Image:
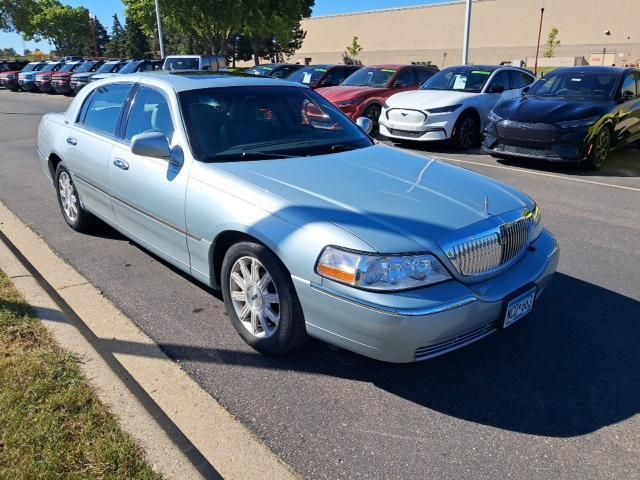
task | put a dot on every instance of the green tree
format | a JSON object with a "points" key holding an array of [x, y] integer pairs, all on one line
{"points": [[15, 15], [350, 56], [116, 46], [552, 43], [136, 43], [99, 40]]}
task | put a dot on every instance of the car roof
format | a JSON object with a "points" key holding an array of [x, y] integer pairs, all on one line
{"points": [[597, 69], [196, 80]]}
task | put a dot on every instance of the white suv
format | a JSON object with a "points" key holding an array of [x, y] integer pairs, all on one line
{"points": [[451, 105], [194, 62]]}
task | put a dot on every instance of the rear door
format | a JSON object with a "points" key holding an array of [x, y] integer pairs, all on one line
{"points": [[627, 129], [88, 144], [149, 193]]}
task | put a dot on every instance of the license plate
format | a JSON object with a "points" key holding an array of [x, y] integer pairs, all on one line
{"points": [[519, 307]]}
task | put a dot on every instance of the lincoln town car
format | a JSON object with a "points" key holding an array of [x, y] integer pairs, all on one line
{"points": [[263, 189]]}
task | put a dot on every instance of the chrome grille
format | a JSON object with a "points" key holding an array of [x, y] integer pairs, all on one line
{"points": [[496, 249]]}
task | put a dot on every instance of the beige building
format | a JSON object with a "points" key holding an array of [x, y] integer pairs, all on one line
{"points": [[502, 30]]}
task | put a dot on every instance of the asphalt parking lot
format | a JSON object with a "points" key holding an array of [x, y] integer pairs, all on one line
{"points": [[555, 396]]}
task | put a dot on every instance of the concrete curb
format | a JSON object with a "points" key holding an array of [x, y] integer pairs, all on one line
{"points": [[184, 431]]}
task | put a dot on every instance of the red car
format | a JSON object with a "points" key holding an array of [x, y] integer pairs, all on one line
{"points": [[9, 78], [43, 78], [363, 93], [61, 81]]}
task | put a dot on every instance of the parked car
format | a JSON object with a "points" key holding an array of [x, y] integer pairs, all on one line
{"points": [[364, 92], [61, 81], [274, 70], [212, 63], [12, 66], [80, 80], [452, 105], [44, 81], [27, 80], [132, 66], [576, 114], [322, 75], [9, 78], [306, 225]]}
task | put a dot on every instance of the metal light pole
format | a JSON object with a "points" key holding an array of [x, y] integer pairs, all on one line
{"points": [[535, 69], [467, 28], [160, 40]]}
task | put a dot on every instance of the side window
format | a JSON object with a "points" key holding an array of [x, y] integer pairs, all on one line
{"points": [[638, 82], [519, 79], [101, 111], [629, 85], [423, 75], [405, 78], [500, 79], [150, 113], [334, 77]]}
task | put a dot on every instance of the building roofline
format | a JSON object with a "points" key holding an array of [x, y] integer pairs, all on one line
{"points": [[444, 3]]}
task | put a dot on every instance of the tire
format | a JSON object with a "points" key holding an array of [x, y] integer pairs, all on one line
{"points": [[600, 150], [76, 217], [264, 310], [373, 113], [466, 132]]}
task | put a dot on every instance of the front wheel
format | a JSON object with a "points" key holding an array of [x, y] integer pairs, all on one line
{"points": [[260, 299], [74, 214], [600, 150], [466, 132], [373, 114]]}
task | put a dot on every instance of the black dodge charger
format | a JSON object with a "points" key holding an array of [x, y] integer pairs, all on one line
{"points": [[574, 114]]}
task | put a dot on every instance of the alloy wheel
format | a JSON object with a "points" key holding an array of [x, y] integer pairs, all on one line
{"points": [[255, 297], [68, 196], [467, 132], [601, 148]]}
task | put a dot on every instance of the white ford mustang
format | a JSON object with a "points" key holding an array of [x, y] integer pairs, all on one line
{"points": [[453, 104]]}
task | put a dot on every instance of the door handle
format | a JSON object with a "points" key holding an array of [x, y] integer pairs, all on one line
{"points": [[121, 164], [72, 141]]}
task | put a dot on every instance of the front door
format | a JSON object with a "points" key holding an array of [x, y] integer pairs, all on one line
{"points": [[148, 194]]}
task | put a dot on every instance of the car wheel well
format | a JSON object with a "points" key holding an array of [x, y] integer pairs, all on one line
{"points": [[219, 248], [473, 112], [54, 161]]}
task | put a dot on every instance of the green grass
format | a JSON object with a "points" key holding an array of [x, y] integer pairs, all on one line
{"points": [[52, 425]]}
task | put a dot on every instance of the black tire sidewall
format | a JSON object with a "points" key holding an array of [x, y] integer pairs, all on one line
{"points": [[291, 331], [376, 120], [456, 131], [591, 162]]}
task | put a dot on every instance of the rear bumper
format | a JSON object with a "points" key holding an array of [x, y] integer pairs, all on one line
{"points": [[442, 317]]}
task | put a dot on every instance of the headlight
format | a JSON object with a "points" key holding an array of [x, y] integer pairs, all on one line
{"points": [[494, 117], [347, 103], [380, 272], [585, 122], [536, 218], [449, 109]]}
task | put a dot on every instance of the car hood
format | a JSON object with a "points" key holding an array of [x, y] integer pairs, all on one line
{"points": [[425, 99], [10, 72], [62, 75], [394, 201], [29, 75], [339, 93], [84, 74], [549, 110]]}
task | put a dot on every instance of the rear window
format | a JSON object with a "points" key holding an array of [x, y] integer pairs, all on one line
{"points": [[181, 64]]}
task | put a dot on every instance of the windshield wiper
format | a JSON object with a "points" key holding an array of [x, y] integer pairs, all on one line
{"points": [[342, 148]]}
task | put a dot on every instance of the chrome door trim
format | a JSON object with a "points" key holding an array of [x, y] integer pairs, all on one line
{"points": [[138, 210]]}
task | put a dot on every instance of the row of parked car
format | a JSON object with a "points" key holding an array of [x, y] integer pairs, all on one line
{"points": [[573, 114]]}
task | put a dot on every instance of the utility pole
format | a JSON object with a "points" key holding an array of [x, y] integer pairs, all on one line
{"points": [[467, 28], [535, 68], [92, 24], [160, 40]]}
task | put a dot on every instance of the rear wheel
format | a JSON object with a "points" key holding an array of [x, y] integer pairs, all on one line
{"points": [[466, 132], [373, 113], [76, 217], [600, 150], [260, 299]]}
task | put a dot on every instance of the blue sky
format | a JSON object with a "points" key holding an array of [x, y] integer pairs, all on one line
{"points": [[104, 10]]}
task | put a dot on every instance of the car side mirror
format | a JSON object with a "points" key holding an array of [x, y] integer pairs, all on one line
{"points": [[627, 95], [151, 144], [495, 89], [365, 124]]}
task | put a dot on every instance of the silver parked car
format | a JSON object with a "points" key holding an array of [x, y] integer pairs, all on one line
{"points": [[263, 189]]}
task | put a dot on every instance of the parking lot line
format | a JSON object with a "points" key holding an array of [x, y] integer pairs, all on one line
{"points": [[542, 174]]}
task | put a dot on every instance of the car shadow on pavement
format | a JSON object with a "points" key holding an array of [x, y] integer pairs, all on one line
{"points": [[570, 368]]}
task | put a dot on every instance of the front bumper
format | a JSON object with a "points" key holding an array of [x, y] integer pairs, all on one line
{"points": [[434, 127], [419, 324], [10, 83], [27, 85], [77, 86], [562, 145], [44, 86], [61, 86]]}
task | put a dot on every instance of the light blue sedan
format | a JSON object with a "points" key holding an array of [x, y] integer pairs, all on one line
{"points": [[263, 189]]}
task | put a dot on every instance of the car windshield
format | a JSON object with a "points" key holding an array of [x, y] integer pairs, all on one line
{"points": [[467, 79], [50, 67], [31, 67], [182, 64], [107, 68], [567, 83], [85, 67], [130, 67], [70, 67], [263, 70], [308, 75], [370, 77], [250, 123]]}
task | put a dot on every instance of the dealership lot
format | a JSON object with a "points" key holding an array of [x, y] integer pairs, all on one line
{"points": [[553, 397]]}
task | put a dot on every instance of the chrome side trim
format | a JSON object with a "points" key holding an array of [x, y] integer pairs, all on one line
{"points": [[136, 209], [396, 312]]}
